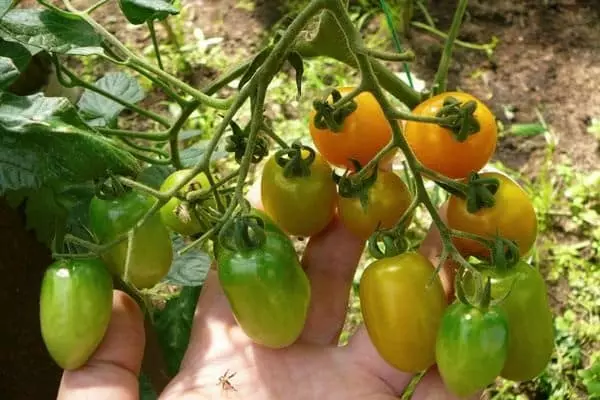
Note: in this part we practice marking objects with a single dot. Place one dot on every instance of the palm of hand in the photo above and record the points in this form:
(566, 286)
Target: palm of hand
(313, 368)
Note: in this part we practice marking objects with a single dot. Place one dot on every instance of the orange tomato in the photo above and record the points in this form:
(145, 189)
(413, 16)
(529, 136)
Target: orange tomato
(437, 148)
(364, 133)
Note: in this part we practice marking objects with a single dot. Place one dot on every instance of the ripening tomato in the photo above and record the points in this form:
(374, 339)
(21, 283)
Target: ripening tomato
(300, 205)
(437, 148)
(75, 308)
(530, 320)
(364, 133)
(152, 252)
(471, 347)
(402, 303)
(511, 217)
(388, 200)
(267, 288)
(184, 222)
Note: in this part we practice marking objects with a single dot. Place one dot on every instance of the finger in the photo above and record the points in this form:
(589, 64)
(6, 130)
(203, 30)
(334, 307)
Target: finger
(431, 247)
(112, 372)
(215, 332)
(431, 386)
(330, 260)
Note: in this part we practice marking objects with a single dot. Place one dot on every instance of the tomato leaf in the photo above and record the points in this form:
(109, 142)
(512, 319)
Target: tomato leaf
(18, 53)
(155, 175)
(188, 269)
(43, 141)
(8, 72)
(4, 6)
(52, 31)
(141, 11)
(173, 325)
(102, 111)
(193, 154)
(256, 63)
(145, 387)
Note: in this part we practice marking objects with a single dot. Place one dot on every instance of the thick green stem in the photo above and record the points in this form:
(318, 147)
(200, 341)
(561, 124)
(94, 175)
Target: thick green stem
(439, 82)
(486, 47)
(155, 44)
(151, 136)
(187, 110)
(142, 188)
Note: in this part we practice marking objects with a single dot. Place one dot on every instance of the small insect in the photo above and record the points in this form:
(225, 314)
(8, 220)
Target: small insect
(224, 381)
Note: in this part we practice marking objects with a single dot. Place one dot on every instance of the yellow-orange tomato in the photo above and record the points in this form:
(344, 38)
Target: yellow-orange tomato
(437, 148)
(364, 133)
(511, 217)
(402, 303)
(388, 200)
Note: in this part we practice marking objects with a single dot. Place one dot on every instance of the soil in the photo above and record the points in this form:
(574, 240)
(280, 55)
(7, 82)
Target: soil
(548, 58)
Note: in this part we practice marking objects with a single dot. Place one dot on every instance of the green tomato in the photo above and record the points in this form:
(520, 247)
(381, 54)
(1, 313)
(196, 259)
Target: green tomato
(402, 302)
(174, 216)
(471, 347)
(267, 288)
(151, 253)
(531, 331)
(303, 205)
(75, 309)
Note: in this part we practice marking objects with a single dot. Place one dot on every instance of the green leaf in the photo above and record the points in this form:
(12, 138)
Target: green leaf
(193, 154)
(17, 52)
(43, 141)
(155, 175)
(527, 129)
(141, 11)
(256, 63)
(146, 390)
(102, 111)
(188, 269)
(8, 72)
(4, 6)
(173, 325)
(52, 31)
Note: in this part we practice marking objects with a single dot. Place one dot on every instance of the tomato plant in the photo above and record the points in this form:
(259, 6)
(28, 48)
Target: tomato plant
(437, 148)
(151, 252)
(471, 347)
(301, 205)
(362, 135)
(512, 217)
(402, 303)
(75, 309)
(177, 215)
(267, 288)
(60, 156)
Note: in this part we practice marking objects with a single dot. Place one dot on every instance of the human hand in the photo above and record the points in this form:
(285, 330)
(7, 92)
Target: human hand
(313, 368)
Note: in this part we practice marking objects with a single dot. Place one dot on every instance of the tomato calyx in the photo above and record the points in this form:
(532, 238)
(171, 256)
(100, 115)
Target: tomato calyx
(243, 233)
(504, 253)
(393, 241)
(482, 297)
(238, 141)
(330, 117)
(110, 188)
(480, 192)
(351, 188)
(460, 118)
(295, 160)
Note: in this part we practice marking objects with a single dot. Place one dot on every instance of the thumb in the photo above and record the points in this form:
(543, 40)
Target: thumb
(112, 372)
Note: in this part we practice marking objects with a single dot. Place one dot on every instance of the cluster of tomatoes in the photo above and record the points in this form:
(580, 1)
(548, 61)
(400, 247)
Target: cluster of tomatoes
(403, 302)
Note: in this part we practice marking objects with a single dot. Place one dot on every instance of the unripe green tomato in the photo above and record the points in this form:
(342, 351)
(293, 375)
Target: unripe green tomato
(471, 347)
(184, 222)
(402, 302)
(75, 309)
(151, 253)
(267, 288)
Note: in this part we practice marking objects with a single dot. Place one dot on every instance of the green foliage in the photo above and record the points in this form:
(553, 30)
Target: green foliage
(102, 111)
(141, 11)
(173, 324)
(188, 269)
(52, 31)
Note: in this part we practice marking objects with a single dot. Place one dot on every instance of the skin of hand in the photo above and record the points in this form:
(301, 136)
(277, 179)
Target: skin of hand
(313, 368)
